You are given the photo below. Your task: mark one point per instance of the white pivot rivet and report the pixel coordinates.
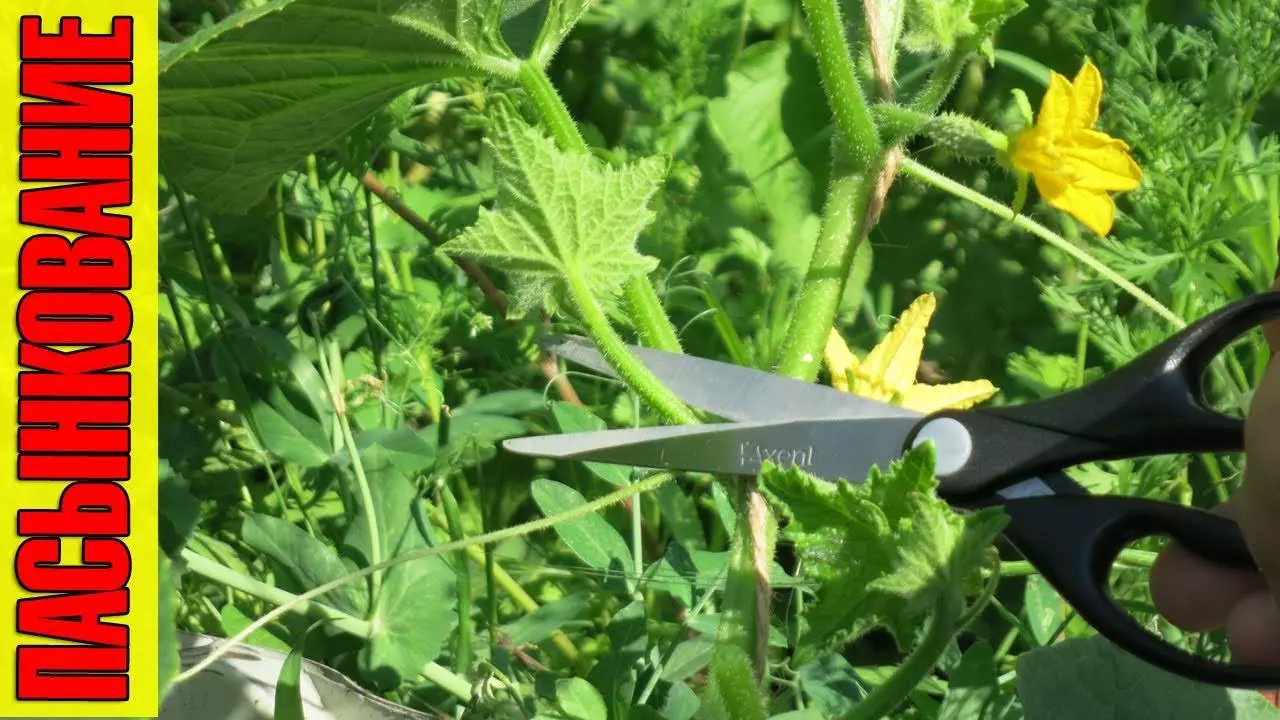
(951, 441)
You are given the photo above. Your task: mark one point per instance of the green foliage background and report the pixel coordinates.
(335, 385)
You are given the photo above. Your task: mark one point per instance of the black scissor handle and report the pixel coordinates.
(1075, 539)
(1153, 406)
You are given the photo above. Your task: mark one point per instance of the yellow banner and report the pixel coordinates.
(78, 278)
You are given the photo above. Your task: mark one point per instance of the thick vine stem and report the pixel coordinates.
(650, 318)
(842, 229)
(845, 215)
(840, 79)
(885, 697)
(629, 368)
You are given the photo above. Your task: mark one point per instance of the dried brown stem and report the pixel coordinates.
(884, 81)
(419, 223)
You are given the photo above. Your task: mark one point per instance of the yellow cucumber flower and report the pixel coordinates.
(1075, 166)
(888, 373)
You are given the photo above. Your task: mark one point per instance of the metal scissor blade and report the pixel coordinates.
(829, 449)
(730, 391)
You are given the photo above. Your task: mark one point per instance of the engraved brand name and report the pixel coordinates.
(753, 455)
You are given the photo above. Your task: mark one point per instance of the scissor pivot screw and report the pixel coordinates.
(951, 441)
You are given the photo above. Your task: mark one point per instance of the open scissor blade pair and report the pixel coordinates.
(731, 391)
(829, 449)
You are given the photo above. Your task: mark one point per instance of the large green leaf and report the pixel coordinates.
(767, 126)
(541, 623)
(414, 610)
(579, 700)
(246, 100)
(882, 551)
(1090, 677)
(309, 560)
(590, 537)
(567, 223)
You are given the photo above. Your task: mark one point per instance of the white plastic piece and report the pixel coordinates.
(951, 441)
(242, 686)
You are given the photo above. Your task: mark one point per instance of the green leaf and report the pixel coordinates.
(681, 703)
(769, 126)
(287, 432)
(688, 658)
(179, 510)
(1090, 677)
(310, 561)
(473, 438)
(1043, 608)
(572, 418)
(561, 16)
(942, 25)
(249, 98)
(680, 515)
(972, 692)
(414, 611)
(539, 624)
(470, 26)
(731, 692)
(561, 220)
(233, 620)
(590, 537)
(579, 700)
(832, 683)
(407, 450)
(615, 675)
(511, 403)
(882, 551)
(288, 705)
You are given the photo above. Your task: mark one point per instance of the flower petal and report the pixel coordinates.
(896, 360)
(1087, 95)
(1027, 150)
(955, 396)
(1096, 210)
(1056, 108)
(839, 360)
(1101, 169)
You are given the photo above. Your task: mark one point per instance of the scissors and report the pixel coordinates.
(1009, 456)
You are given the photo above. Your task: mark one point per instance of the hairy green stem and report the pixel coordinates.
(219, 573)
(629, 368)
(942, 182)
(551, 109)
(848, 198)
(940, 82)
(841, 232)
(652, 323)
(885, 697)
(840, 80)
(649, 317)
(650, 483)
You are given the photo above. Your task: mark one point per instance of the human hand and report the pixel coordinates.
(1196, 595)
